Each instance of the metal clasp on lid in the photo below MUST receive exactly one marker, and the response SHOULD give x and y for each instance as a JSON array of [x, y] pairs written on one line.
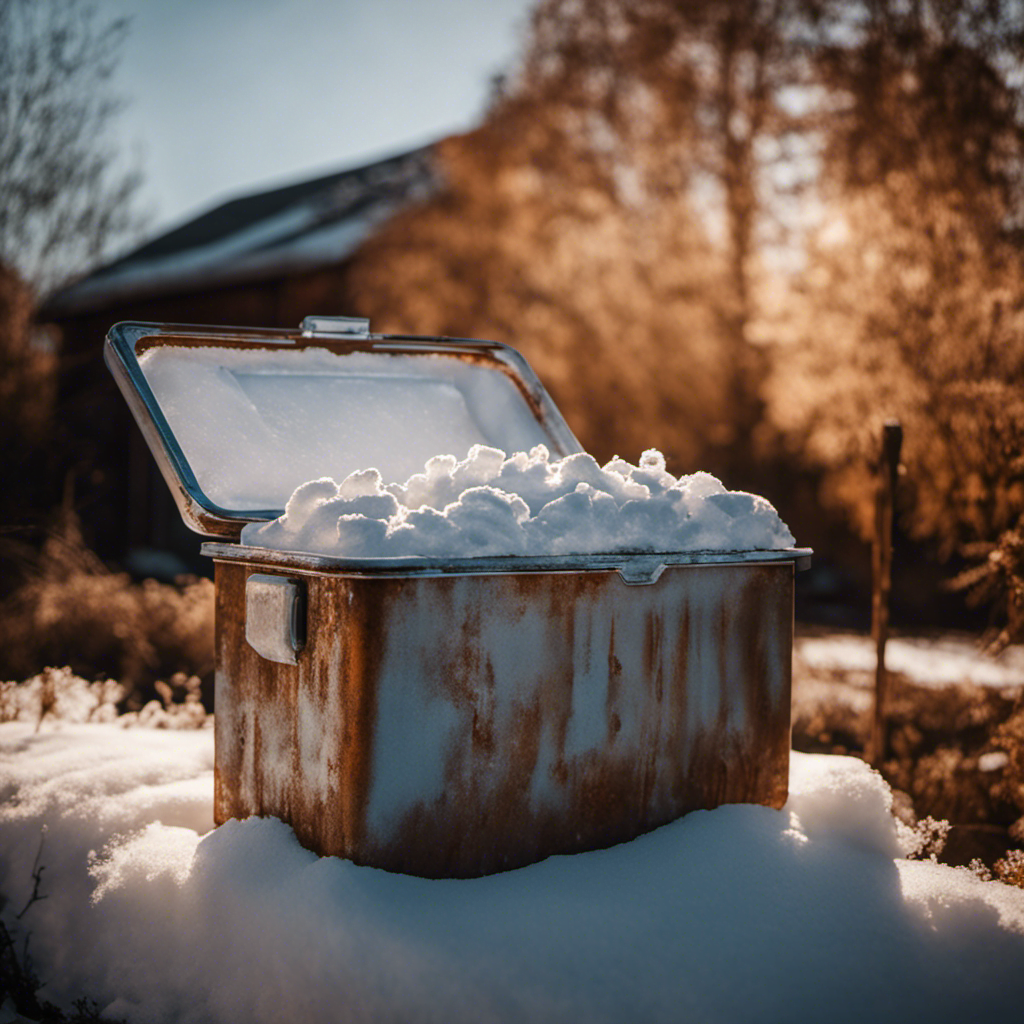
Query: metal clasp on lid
[[335, 327]]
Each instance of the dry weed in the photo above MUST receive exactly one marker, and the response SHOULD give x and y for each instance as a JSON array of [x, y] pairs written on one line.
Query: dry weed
[[58, 694], [71, 610], [957, 753]]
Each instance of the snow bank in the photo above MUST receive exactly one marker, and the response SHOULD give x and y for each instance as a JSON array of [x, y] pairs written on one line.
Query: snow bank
[[526, 503], [738, 914], [928, 662]]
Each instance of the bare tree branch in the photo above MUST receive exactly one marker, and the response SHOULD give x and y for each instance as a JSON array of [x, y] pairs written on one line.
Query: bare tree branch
[[64, 193]]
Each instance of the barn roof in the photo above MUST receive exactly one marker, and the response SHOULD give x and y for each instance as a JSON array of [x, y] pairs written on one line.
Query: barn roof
[[264, 235]]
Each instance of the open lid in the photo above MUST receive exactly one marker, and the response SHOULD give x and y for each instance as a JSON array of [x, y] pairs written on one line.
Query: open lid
[[237, 418]]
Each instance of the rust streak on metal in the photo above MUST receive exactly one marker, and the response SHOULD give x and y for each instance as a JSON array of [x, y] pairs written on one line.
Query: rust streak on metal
[[612, 717], [345, 629]]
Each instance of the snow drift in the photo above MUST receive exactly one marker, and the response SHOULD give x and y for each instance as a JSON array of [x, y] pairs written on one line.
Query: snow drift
[[738, 914]]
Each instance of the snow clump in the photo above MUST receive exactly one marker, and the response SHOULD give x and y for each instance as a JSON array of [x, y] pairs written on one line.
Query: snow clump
[[523, 504]]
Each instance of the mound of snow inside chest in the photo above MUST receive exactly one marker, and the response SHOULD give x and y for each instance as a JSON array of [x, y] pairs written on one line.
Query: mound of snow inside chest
[[527, 503]]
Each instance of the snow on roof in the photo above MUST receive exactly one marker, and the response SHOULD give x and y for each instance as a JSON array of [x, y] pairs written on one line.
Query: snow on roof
[[741, 914], [267, 234]]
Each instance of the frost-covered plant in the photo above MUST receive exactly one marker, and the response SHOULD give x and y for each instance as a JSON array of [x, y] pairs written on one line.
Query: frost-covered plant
[[1008, 738], [59, 694], [1010, 869], [926, 840], [71, 610], [980, 869], [997, 580], [180, 706]]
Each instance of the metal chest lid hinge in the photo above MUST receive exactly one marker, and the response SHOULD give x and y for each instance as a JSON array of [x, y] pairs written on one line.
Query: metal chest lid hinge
[[335, 327]]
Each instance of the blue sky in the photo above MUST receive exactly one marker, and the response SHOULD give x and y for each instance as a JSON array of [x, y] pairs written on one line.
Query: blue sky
[[231, 96]]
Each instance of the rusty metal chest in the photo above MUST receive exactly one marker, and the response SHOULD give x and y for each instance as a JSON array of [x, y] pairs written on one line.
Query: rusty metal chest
[[456, 717]]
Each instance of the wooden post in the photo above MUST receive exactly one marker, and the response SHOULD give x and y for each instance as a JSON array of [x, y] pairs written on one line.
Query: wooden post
[[881, 557]]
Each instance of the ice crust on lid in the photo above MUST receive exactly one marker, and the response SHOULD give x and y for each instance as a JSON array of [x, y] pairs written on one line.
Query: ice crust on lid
[[256, 423], [523, 504]]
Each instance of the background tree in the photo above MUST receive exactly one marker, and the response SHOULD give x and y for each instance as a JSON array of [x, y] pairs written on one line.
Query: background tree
[[26, 406], [564, 227], [606, 218], [751, 62], [912, 300], [64, 199]]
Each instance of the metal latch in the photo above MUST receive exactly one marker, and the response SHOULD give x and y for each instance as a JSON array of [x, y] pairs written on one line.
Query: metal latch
[[641, 572], [275, 617], [335, 327]]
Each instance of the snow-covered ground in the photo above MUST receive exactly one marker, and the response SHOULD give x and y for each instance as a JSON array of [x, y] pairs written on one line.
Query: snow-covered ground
[[738, 914], [839, 669], [934, 661]]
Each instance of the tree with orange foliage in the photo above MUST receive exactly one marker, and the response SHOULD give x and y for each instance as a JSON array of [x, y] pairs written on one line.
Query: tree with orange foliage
[[912, 301], [567, 224]]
